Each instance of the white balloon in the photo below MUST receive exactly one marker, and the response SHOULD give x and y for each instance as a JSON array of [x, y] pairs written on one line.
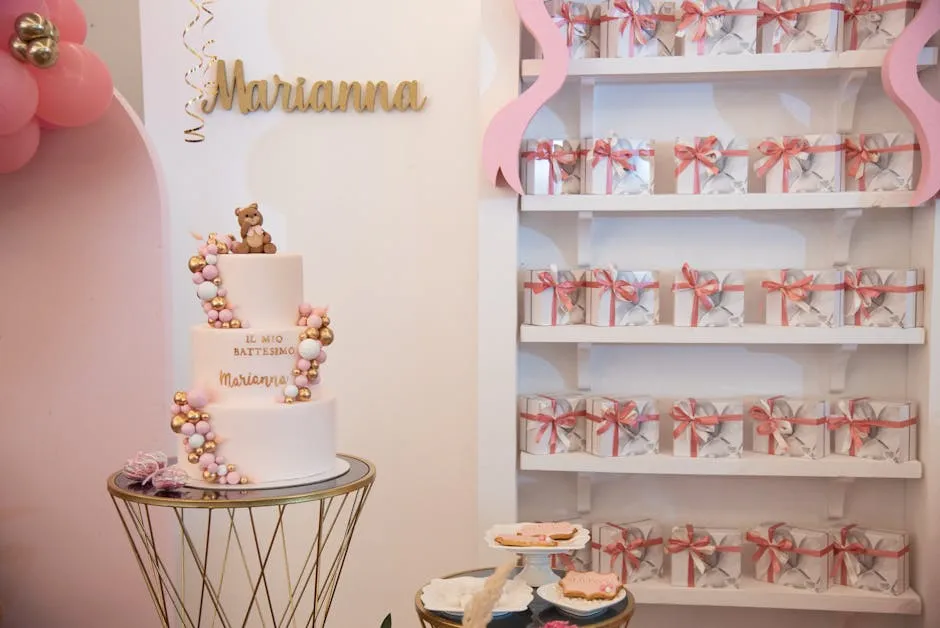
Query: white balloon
[[309, 349], [207, 291]]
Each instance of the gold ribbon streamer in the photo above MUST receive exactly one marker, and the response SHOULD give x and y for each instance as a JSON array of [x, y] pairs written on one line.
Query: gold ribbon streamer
[[210, 67], [194, 134]]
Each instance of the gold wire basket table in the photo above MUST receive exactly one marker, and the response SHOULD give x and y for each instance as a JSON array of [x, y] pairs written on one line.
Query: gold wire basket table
[[539, 613], [226, 558]]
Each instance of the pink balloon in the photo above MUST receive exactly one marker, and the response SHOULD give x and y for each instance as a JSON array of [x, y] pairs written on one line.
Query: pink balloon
[[69, 18], [77, 90], [19, 95], [11, 9], [17, 149], [47, 125]]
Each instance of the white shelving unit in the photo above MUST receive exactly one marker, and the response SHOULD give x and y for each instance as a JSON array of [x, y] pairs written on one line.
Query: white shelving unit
[[751, 96]]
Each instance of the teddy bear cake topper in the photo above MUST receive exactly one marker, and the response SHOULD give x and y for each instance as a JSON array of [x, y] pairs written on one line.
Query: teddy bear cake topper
[[254, 238]]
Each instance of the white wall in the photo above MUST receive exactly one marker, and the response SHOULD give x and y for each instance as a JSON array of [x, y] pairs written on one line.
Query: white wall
[[383, 208]]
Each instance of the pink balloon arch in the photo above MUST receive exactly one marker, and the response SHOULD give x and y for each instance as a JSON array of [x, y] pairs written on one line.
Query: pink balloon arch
[[38, 95]]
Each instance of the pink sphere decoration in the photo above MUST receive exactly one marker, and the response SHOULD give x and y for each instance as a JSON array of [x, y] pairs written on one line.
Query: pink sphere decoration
[[217, 324], [198, 278], [302, 321], [226, 316], [212, 250], [19, 95], [198, 399], [315, 321], [210, 436], [321, 359], [210, 272], [207, 306], [213, 315], [202, 427], [316, 380], [303, 365], [11, 9], [203, 250], [306, 309], [212, 467], [77, 90], [185, 408], [206, 459], [233, 478], [220, 460], [19, 147], [188, 429], [69, 18], [174, 409], [221, 292], [301, 380]]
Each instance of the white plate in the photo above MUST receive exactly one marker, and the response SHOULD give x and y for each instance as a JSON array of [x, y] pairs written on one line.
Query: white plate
[[553, 594], [449, 595], [578, 541]]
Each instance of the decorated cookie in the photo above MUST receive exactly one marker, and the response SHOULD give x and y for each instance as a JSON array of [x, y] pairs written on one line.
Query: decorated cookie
[[561, 531], [590, 585], [254, 238], [522, 540]]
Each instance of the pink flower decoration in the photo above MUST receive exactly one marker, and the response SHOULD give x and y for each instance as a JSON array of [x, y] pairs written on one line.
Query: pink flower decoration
[[169, 479], [151, 468], [559, 624]]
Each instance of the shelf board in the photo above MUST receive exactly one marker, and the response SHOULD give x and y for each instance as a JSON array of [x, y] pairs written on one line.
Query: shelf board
[[664, 203], [747, 335], [750, 465], [711, 68], [755, 594]]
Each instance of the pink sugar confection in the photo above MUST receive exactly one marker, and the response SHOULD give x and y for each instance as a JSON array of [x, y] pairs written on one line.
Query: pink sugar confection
[[217, 324], [226, 316], [321, 359], [197, 398], [213, 315], [188, 429], [205, 460], [220, 460], [203, 428], [315, 321], [305, 309], [321, 311], [233, 478], [210, 435], [206, 307], [185, 408], [303, 365], [222, 292], [212, 467], [212, 250], [198, 278], [203, 250], [301, 380], [302, 321], [210, 272], [174, 409]]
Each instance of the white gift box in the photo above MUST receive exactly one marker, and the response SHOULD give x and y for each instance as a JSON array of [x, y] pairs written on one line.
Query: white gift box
[[704, 557], [708, 428], [621, 426], [874, 560], [580, 24], [803, 163], [552, 167], [881, 162], [617, 166], [878, 430], [553, 297], [618, 298], [639, 28], [551, 424], [632, 550], [879, 297], [804, 298], [718, 27], [784, 426], [791, 556], [869, 25], [576, 560], [711, 165], [709, 298], [800, 26]]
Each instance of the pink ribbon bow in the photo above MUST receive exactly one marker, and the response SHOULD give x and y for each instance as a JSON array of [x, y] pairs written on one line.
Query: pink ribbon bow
[[697, 551], [786, 20], [857, 156], [569, 22], [561, 292], [622, 158], [866, 294], [796, 291], [701, 290], [860, 8], [769, 425], [619, 289], [626, 551], [620, 414], [778, 550], [551, 423], [688, 420], [790, 149], [545, 151], [860, 429], [638, 23], [695, 14], [846, 553]]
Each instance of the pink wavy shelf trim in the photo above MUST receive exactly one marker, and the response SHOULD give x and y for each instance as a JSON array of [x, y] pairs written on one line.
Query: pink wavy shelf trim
[[503, 138], [899, 77]]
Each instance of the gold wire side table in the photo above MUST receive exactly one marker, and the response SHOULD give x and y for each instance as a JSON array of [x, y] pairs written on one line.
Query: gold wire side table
[[267, 558], [539, 613]]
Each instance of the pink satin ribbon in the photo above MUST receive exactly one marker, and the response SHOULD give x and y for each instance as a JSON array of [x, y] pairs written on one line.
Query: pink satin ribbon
[[857, 156], [702, 290], [786, 20], [853, 283], [545, 151], [689, 421], [700, 549], [765, 545], [842, 548], [693, 13], [625, 551], [860, 429], [552, 422], [638, 23], [623, 158], [796, 291], [619, 289], [560, 292], [791, 147], [769, 425], [703, 155], [621, 414], [568, 22], [863, 7]]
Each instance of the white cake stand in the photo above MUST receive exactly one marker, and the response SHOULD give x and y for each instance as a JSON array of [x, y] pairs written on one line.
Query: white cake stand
[[340, 467], [537, 561]]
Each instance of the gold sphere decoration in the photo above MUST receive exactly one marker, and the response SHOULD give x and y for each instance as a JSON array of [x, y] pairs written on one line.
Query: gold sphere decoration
[[200, 451], [231, 468], [312, 373], [236, 324], [35, 41], [326, 336], [288, 400], [326, 321], [312, 333], [223, 247], [43, 53], [243, 481], [226, 325], [193, 458], [196, 263], [304, 394], [180, 399], [217, 282], [193, 417], [205, 475], [209, 446], [297, 372], [177, 423], [213, 477], [218, 303], [204, 416], [30, 26]]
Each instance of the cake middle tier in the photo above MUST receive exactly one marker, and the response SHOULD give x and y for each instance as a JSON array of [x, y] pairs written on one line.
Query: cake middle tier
[[244, 365]]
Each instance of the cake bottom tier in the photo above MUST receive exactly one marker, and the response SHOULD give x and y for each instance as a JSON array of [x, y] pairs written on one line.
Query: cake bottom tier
[[272, 442]]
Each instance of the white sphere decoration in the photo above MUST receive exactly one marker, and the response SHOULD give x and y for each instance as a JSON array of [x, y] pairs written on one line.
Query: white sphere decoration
[[207, 291], [212, 260], [196, 441], [309, 349], [291, 391]]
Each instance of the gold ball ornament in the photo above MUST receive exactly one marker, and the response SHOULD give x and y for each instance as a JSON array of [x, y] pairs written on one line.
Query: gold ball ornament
[[179, 399], [236, 324], [177, 423], [36, 41], [193, 458], [30, 26], [231, 468], [193, 417], [326, 320], [200, 451], [312, 333], [304, 394], [196, 263], [217, 282], [43, 53], [226, 325], [210, 477], [243, 481], [223, 248], [297, 372], [288, 400], [205, 475], [209, 446], [326, 336], [312, 374], [204, 416], [218, 303], [19, 49]]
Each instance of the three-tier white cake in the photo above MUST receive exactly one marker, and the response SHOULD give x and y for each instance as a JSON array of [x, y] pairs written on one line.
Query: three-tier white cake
[[256, 416]]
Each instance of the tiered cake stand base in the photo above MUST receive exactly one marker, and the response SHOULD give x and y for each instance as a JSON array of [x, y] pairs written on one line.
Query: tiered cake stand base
[[269, 557]]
